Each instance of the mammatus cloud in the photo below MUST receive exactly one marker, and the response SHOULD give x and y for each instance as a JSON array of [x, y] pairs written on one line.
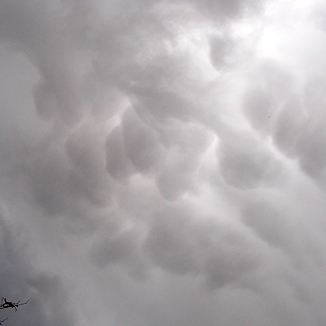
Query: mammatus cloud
[[163, 162]]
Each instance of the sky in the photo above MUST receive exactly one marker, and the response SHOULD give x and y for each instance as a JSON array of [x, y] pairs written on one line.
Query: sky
[[163, 162]]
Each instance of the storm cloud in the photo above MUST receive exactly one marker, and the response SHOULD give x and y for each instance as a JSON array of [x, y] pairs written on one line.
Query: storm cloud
[[163, 162]]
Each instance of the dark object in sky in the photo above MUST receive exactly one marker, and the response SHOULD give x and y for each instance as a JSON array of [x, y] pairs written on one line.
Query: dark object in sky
[[9, 304], [2, 321]]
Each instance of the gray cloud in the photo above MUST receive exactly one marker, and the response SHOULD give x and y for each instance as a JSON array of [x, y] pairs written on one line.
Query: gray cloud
[[162, 162]]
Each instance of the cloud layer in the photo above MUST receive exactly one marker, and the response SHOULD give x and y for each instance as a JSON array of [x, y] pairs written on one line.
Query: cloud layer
[[163, 162]]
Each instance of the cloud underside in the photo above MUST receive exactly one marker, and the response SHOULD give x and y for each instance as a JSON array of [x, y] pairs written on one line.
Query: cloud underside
[[163, 162]]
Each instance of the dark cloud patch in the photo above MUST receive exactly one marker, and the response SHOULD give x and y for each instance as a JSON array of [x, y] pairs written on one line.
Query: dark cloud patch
[[230, 255], [141, 144], [245, 163], [268, 223], [48, 180], [104, 100], [300, 131], [170, 243], [185, 145], [312, 149], [180, 243], [114, 249], [65, 170], [48, 302], [117, 161], [87, 176], [163, 105], [12, 257], [289, 126], [38, 29], [221, 9], [55, 99], [259, 107], [220, 49], [311, 145], [172, 182]]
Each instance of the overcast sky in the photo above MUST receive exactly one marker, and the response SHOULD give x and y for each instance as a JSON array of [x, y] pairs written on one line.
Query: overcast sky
[[163, 162]]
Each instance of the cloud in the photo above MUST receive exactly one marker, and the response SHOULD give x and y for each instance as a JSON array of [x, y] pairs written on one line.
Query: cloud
[[162, 162]]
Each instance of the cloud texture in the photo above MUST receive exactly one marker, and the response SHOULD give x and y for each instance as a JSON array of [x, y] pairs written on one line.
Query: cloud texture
[[163, 162]]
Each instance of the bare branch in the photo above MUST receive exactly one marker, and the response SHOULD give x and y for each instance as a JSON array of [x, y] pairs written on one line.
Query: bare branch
[[2, 321], [9, 304]]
